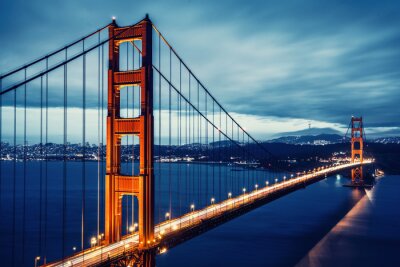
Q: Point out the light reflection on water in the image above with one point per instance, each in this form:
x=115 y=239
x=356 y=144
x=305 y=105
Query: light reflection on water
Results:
x=324 y=225
x=353 y=241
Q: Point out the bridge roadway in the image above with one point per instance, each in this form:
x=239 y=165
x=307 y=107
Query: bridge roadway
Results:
x=177 y=226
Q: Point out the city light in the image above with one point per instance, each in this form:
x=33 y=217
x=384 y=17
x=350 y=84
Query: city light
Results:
x=167 y=216
x=244 y=190
x=229 y=195
x=192 y=207
x=267 y=183
x=212 y=200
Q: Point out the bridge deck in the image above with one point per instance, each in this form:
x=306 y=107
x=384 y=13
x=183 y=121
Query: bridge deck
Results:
x=177 y=226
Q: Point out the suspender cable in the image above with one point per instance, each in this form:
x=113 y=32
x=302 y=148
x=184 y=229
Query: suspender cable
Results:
x=133 y=137
x=98 y=139
x=84 y=151
x=64 y=158
x=24 y=183
x=127 y=139
x=180 y=136
x=206 y=143
x=199 y=144
x=191 y=187
x=169 y=137
x=232 y=161
x=46 y=161
x=213 y=151
x=219 y=155
x=226 y=156
x=187 y=198
x=14 y=174
x=159 y=131
x=102 y=128
x=41 y=166
x=1 y=144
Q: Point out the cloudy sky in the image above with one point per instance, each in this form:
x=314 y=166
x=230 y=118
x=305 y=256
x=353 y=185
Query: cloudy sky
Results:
x=275 y=64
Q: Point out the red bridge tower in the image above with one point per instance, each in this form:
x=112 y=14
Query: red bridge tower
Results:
x=117 y=184
x=357 y=148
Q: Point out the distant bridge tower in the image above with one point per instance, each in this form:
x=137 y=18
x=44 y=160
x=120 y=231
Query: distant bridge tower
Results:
x=117 y=184
x=357 y=149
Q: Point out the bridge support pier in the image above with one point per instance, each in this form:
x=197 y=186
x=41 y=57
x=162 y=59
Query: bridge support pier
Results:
x=117 y=184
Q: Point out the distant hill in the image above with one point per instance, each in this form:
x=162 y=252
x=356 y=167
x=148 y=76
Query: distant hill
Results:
x=311 y=131
x=320 y=139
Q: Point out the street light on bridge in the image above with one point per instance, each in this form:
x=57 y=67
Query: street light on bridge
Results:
x=93 y=241
x=36 y=260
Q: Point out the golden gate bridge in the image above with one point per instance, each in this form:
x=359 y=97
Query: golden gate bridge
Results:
x=144 y=102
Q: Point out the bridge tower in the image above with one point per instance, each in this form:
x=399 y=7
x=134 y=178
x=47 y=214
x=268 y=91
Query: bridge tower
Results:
x=117 y=184
x=357 y=149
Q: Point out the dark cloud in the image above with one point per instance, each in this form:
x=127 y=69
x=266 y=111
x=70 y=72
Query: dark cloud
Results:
x=321 y=60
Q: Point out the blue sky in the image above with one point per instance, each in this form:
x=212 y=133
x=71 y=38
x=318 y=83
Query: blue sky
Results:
x=275 y=64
